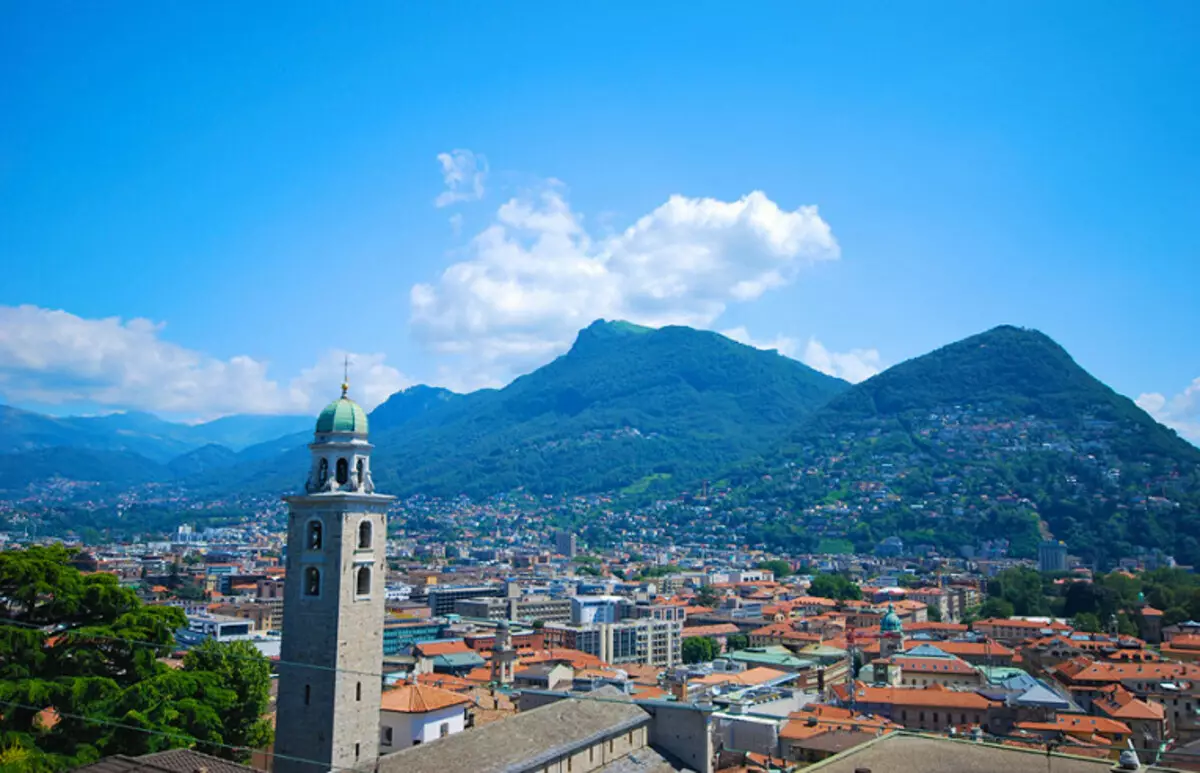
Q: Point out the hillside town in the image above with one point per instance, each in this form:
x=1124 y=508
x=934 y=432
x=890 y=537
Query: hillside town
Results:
x=492 y=616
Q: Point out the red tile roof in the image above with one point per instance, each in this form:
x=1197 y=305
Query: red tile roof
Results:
x=420 y=699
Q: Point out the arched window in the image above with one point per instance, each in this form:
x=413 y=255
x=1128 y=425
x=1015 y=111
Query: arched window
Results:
x=314 y=535
x=322 y=472
x=312 y=581
x=364 y=535
x=363 y=583
x=360 y=470
x=343 y=472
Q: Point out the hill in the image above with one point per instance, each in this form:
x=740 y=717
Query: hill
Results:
x=43 y=468
x=1000 y=438
x=626 y=408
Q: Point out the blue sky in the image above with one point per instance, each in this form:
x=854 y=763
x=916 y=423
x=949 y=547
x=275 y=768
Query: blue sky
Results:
x=202 y=206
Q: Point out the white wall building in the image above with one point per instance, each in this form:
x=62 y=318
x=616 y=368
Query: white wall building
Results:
x=416 y=713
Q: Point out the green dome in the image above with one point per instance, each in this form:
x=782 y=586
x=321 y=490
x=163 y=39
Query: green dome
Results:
x=891 y=621
x=343 y=415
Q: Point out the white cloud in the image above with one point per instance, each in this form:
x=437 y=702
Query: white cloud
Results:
x=464 y=173
x=528 y=282
x=51 y=357
x=854 y=366
x=1180 y=412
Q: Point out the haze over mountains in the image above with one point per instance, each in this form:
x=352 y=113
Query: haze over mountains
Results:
x=627 y=409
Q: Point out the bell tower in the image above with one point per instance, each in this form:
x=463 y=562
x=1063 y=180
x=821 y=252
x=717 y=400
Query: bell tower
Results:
x=332 y=651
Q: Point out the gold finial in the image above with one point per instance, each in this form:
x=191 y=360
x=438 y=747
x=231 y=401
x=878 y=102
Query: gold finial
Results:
x=345 y=375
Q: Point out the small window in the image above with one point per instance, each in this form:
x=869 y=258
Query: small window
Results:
x=322 y=472
x=364 y=535
x=307 y=694
x=360 y=471
x=314 y=535
x=358 y=692
x=356 y=751
x=444 y=730
x=363 y=584
x=343 y=471
x=387 y=736
x=312 y=581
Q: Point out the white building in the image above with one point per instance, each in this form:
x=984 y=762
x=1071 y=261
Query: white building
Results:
x=416 y=713
x=595 y=609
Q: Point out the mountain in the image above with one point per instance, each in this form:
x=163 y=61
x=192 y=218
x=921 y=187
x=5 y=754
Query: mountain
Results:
x=406 y=405
x=1010 y=371
x=38 y=468
x=202 y=460
x=1000 y=436
x=244 y=430
x=627 y=407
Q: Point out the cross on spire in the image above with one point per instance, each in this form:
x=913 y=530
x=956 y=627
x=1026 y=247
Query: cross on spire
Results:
x=346 y=375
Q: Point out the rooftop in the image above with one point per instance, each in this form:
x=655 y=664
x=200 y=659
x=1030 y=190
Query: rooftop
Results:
x=528 y=740
x=420 y=699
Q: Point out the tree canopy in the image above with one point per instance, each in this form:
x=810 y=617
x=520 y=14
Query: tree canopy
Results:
x=81 y=675
x=834 y=586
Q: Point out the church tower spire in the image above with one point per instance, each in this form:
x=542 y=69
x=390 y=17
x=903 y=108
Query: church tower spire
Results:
x=332 y=653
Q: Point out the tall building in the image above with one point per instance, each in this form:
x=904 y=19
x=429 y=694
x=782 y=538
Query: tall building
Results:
x=565 y=544
x=329 y=688
x=1052 y=556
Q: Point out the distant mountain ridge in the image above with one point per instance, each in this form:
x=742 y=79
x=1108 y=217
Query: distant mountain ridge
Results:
x=1027 y=438
x=138 y=432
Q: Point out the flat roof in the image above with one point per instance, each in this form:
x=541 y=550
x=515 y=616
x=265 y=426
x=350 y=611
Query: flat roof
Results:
x=903 y=752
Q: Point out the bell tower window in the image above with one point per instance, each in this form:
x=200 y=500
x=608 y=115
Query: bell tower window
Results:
x=363 y=581
x=343 y=471
x=322 y=472
x=359 y=471
x=312 y=581
x=364 y=535
x=313 y=539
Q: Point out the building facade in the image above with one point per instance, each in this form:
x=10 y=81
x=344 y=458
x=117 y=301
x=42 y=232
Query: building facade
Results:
x=1052 y=556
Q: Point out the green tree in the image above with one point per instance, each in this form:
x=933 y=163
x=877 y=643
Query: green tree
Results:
x=1022 y=588
x=85 y=647
x=737 y=641
x=996 y=607
x=934 y=614
x=242 y=669
x=698 y=649
x=1086 y=621
x=707 y=596
x=778 y=566
x=834 y=586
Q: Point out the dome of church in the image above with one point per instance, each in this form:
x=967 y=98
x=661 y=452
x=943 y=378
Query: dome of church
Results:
x=891 y=621
x=343 y=415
